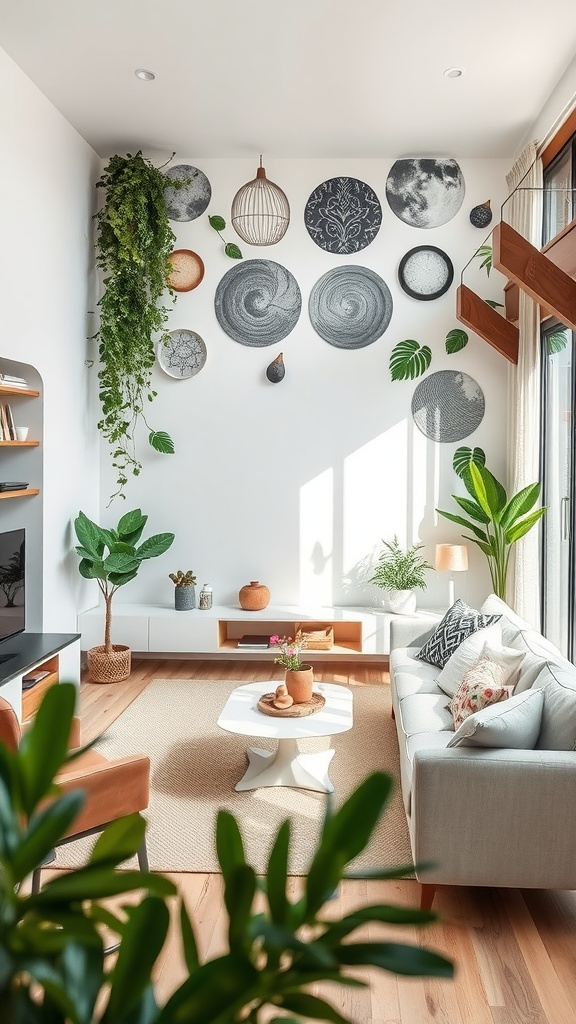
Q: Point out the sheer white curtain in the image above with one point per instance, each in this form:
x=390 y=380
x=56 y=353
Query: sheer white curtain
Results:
x=524 y=213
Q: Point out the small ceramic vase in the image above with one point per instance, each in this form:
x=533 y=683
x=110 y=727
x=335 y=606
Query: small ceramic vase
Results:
x=184 y=598
x=254 y=596
x=299 y=684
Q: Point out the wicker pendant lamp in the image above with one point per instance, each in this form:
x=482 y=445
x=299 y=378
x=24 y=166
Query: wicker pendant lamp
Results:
x=260 y=211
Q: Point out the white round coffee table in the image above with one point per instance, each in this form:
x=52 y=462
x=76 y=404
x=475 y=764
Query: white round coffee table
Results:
x=287 y=765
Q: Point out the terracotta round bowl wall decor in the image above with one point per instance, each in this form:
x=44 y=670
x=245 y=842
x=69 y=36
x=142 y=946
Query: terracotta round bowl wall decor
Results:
x=187 y=270
x=254 y=596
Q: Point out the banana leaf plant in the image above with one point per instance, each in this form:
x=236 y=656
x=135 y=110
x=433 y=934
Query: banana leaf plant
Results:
x=495 y=520
x=53 y=967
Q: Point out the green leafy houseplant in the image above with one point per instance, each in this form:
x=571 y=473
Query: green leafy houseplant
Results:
x=134 y=241
x=53 y=969
x=399 y=569
x=495 y=520
x=112 y=557
x=183 y=579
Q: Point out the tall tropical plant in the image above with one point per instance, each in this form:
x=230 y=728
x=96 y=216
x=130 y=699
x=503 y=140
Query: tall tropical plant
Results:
x=134 y=242
x=53 y=969
x=495 y=520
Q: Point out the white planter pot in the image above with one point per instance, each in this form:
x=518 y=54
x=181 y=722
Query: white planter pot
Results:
x=400 y=602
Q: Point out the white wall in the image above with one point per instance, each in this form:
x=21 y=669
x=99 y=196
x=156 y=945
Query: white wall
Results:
x=47 y=197
x=296 y=483
x=558 y=106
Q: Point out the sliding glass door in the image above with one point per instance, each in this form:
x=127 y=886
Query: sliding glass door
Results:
x=558 y=457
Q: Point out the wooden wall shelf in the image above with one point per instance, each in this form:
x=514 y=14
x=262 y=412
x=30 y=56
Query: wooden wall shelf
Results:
x=5 y=390
x=20 y=494
x=19 y=444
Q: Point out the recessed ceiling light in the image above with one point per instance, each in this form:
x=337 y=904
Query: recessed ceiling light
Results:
x=144 y=75
x=453 y=72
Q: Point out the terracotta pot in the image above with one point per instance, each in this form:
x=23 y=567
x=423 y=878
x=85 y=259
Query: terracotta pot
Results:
x=254 y=596
x=109 y=668
x=299 y=684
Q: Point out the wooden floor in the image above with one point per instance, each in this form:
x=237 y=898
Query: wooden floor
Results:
x=514 y=950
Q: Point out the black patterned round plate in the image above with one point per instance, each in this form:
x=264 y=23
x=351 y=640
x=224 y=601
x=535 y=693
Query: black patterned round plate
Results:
x=343 y=215
x=350 y=307
x=425 y=272
x=258 y=303
x=183 y=355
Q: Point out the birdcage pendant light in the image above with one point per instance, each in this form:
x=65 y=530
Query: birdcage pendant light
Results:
x=260 y=211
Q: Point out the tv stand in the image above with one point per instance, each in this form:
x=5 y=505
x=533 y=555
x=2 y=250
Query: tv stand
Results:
x=56 y=653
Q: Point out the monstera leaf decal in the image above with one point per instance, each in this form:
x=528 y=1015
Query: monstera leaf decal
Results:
x=556 y=342
x=464 y=456
x=409 y=360
x=455 y=341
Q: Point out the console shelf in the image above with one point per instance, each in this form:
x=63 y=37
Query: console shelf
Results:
x=20 y=494
x=19 y=444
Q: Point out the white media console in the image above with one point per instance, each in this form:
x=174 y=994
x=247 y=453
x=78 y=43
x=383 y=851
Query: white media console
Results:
x=159 y=629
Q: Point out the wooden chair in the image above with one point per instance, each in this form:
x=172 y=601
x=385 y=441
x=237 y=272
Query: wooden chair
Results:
x=113 y=788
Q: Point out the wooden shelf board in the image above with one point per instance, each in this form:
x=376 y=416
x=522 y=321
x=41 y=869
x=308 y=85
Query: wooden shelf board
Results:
x=6 y=390
x=20 y=494
x=31 y=699
x=340 y=648
x=19 y=444
x=476 y=314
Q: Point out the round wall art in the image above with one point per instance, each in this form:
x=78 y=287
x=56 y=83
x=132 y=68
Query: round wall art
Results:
x=258 y=303
x=187 y=270
x=448 y=405
x=425 y=272
x=350 y=307
x=343 y=215
x=183 y=355
x=191 y=200
x=425 y=193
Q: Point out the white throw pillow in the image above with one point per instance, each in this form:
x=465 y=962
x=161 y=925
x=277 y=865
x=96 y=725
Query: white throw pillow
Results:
x=529 y=672
x=511 y=622
x=466 y=655
x=514 y=723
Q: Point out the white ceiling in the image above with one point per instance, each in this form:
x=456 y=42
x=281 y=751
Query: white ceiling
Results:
x=295 y=78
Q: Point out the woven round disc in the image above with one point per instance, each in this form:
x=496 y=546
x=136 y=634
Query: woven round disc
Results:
x=308 y=707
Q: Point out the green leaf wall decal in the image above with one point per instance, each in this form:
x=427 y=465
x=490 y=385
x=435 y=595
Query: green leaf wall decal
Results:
x=463 y=456
x=456 y=340
x=556 y=342
x=409 y=360
x=495 y=305
x=161 y=442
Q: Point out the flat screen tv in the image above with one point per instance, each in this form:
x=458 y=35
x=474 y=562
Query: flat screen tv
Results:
x=12 y=583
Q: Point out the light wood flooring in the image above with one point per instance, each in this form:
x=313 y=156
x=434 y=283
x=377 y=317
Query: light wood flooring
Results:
x=514 y=950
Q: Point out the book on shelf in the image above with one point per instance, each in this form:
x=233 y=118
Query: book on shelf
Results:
x=4 y=422
x=11 y=427
x=13 y=382
x=254 y=642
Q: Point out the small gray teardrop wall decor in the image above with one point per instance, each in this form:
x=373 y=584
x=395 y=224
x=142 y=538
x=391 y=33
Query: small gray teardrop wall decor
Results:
x=481 y=215
x=276 y=370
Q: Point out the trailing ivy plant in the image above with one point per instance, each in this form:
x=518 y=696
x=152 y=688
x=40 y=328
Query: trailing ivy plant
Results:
x=134 y=241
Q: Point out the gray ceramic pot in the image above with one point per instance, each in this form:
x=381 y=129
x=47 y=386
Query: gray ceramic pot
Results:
x=184 y=598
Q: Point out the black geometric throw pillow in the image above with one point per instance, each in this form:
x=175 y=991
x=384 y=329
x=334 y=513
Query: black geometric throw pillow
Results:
x=459 y=622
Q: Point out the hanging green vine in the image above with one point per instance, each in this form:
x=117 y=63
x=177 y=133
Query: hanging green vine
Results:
x=133 y=245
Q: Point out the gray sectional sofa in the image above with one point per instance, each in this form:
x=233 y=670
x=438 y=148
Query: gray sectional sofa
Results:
x=487 y=815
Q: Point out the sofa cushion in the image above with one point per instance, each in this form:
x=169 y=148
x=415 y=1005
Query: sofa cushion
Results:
x=482 y=685
x=558 y=727
x=514 y=723
x=405 y=657
x=511 y=622
x=424 y=712
x=528 y=640
x=465 y=656
x=530 y=669
x=459 y=622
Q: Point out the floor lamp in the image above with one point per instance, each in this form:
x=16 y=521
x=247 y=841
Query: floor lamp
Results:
x=451 y=558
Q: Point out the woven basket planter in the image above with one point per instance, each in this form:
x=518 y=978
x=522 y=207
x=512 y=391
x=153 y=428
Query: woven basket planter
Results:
x=109 y=668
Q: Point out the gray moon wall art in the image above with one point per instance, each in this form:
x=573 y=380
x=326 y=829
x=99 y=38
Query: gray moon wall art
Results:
x=343 y=215
x=258 y=303
x=350 y=307
x=191 y=200
x=425 y=193
x=448 y=405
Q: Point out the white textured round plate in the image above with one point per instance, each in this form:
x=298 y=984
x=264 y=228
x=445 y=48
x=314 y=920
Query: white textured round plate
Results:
x=183 y=355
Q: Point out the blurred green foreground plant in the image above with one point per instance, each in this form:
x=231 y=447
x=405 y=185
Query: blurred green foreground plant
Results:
x=52 y=964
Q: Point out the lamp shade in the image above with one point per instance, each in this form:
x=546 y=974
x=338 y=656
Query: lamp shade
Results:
x=260 y=211
x=451 y=557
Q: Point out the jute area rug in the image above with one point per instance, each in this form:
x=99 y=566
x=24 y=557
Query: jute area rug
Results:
x=195 y=766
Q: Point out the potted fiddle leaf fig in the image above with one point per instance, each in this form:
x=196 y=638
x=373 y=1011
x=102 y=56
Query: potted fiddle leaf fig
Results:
x=54 y=967
x=113 y=557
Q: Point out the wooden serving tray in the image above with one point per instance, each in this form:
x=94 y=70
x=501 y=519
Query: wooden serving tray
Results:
x=308 y=707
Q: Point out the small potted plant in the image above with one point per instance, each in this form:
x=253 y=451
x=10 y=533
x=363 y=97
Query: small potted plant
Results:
x=398 y=573
x=184 y=590
x=299 y=676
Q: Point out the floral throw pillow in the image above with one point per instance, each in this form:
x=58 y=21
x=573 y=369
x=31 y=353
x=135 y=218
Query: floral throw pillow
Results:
x=482 y=685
